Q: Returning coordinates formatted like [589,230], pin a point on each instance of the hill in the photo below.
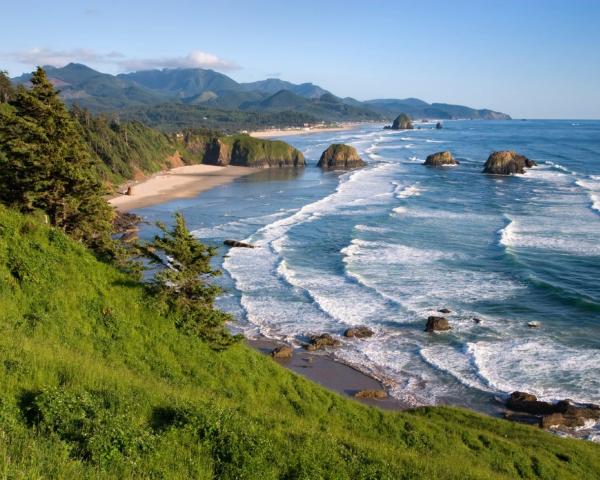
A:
[208,89]
[96,383]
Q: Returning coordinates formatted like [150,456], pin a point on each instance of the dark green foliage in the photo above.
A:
[183,285]
[45,166]
[7,91]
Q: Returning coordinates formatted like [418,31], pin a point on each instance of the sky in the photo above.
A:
[528,58]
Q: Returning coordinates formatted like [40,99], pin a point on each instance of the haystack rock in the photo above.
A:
[440,159]
[507,162]
[402,122]
[340,157]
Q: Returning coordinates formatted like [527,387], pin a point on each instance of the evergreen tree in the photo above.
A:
[47,167]
[183,283]
[6,89]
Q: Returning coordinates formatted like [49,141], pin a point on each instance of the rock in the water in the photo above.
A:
[437,324]
[507,163]
[533,324]
[283,351]
[477,320]
[322,341]
[563,413]
[440,159]
[444,310]
[340,157]
[438,126]
[373,394]
[402,122]
[235,243]
[358,332]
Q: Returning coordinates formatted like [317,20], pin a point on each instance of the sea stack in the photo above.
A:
[339,156]
[507,162]
[402,122]
[438,126]
[440,159]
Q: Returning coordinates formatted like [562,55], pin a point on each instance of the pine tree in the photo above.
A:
[6,89]
[47,167]
[183,285]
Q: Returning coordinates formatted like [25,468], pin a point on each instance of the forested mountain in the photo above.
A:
[152,90]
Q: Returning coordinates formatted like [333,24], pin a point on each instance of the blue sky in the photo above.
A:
[529,58]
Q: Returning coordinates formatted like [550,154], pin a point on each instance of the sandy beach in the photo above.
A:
[280,132]
[180,182]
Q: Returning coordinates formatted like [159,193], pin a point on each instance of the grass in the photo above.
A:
[94,383]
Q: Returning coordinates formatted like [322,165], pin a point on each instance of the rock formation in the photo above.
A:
[402,122]
[340,157]
[440,159]
[237,244]
[371,394]
[437,324]
[507,163]
[246,151]
[283,351]
[358,332]
[322,341]
[438,126]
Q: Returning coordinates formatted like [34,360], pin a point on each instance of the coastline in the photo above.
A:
[284,132]
[180,182]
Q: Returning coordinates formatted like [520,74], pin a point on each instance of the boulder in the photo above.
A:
[358,332]
[372,394]
[437,324]
[340,157]
[507,163]
[283,351]
[528,403]
[321,341]
[129,190]
[235,243]
[438,126]
[444,310]
[560,420]
[402,122]
[440,159]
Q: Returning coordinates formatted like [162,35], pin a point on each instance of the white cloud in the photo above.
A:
[59,58]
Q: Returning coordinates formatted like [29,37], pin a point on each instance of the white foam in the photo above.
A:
[406,191]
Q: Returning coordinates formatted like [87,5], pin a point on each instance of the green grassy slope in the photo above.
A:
[94,383]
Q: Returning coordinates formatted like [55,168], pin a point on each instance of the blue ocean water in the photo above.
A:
[390,244]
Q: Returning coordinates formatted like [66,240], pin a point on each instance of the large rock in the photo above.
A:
[246,151]
[358,332]
[507,162]
[283,351]
[340,157]
[440,159]
[437,324]
[402,122]
[321,341]
[438,126]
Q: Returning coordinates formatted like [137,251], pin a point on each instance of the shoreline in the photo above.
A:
[284,132]
[180,182]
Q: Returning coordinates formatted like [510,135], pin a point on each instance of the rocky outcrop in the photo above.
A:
[283,351]
[246,151]
[371,394]
[562,413]
[440,159]
[321,341]
[358,332]
[340,157]
[402,122]
[507,162]
[237,244]
[438,126]
[437,324]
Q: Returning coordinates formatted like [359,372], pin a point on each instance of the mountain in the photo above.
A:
[417,108]
[274,85]
[152,90]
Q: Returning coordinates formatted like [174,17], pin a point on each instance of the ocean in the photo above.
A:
[388,245]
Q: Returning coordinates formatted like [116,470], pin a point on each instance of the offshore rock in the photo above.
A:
[340,157]
[440,159]
[437,324]
[507,162]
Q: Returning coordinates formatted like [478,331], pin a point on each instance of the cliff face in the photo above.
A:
[507,163]
[242,150]
[340,157]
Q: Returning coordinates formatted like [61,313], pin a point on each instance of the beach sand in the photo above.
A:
[180,182]
[332,374]
[300,131]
